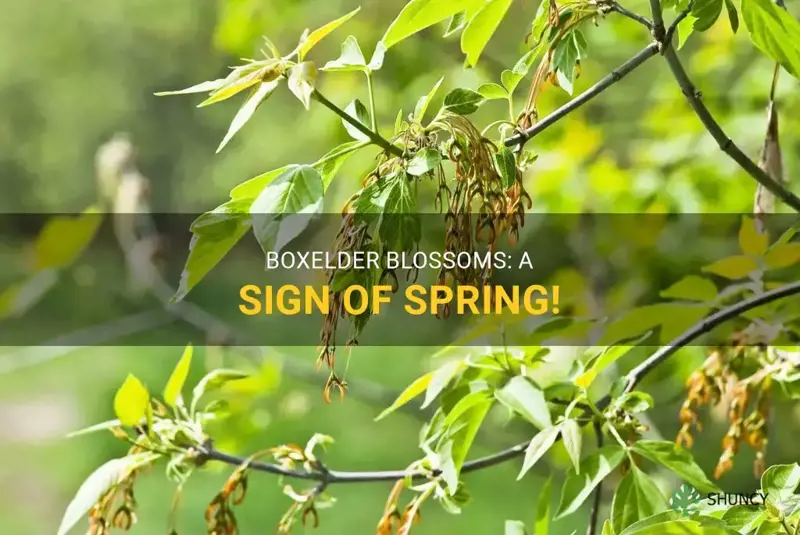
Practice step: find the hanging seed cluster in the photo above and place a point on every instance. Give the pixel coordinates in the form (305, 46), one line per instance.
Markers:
(724, 376)
(115, 510)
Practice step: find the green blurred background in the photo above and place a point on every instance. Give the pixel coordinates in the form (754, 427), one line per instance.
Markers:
(72, 74)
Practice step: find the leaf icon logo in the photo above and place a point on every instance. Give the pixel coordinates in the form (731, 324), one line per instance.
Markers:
(684, 500)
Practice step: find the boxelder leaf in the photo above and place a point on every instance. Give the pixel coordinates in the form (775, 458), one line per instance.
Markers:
(302, 80)
(419, 14)
(481, 27)
(774, 31)
(463, 101)
(744, 518)
(540, 444)
(506, 165)
(571, 436)
(678, 460)
(636, 498)
(351, 58)
(103, 426)
(440, 379)
(706, 13)
(733, 267)
(424, 161)
(131, 401)
(97, 484)
(286, 206)
(213, 381)
(511, 78)
(172, 392)
(423, 102)
(527, 400)
(413, 390)
(541, 523)
(751, 241)
(329, 165)
(320, 33)
(579, 485)
(259, 95)
(64, 238)
(693, 288)
(783, 255)
(492, 91)
(733, 15)
(780, 481)
(202, 87)
(357, 109)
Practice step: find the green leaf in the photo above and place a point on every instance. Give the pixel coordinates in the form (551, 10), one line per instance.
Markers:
(492, 91)
(351, 58)
(676, 459)
(733, 16)
(481, 27)
(511, 78)
(462, 440)
(780, 481)
(783, 255)
(63, 239)
(286, 206)
(693, 288)
(706, 13)
(320, 33)
(527, 400)
(214, 234)
(245, 77)
(684, 30)
(515, 527)
(103, 426)
(579, 485)
(424, 161)
(671, 523)
(506, 165)
(131, 401)
(634, 402)
(419, 14)
(571, 436)
(744, 518)
(357, 110)
(19, 298)
(774, 31)
(213, 381)
(637, 497)
(439, 381)
(203, 87)
(456, 23)
(413, 390)
(464, 404)
(540, 444)
(541, 522)
(376, 62)
(257, 96)
(602, 360)
(172, 392)
(733, 267)
(423, 102)
(607, 529)
(463, 101)
(98, 484)
(302, 79)
(329, 165)
(751, 241)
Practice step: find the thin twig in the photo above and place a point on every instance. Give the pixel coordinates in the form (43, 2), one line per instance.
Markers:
(613, 77)
(375, 137)
(659, 32)
(598, 491)
(725, 143)
(674, 26)
(633, 378)
(614, 6)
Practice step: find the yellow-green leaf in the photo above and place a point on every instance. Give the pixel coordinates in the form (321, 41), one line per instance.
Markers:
(733, 267)
(259, 95)
(413, 390)
(751, 241)
(320, 33)
(64, 238)
(783, 255)
(693, 288)
(131, 401)
(419, 14)
(480, 29)
(172, 392)
(202, 87)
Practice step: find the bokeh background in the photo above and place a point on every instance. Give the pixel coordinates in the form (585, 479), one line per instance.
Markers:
(72, 74)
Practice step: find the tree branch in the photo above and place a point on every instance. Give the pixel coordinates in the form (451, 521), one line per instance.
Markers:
(633, 378)
(725, 143)
(613, 77)
(374, 136)
(598, 491)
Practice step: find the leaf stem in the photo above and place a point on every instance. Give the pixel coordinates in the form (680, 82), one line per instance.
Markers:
(371, 134)
(370, 89)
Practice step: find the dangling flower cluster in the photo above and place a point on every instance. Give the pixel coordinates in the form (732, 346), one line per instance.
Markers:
(220, 518)
(725, 375)
(103, 516)
(395, 520)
